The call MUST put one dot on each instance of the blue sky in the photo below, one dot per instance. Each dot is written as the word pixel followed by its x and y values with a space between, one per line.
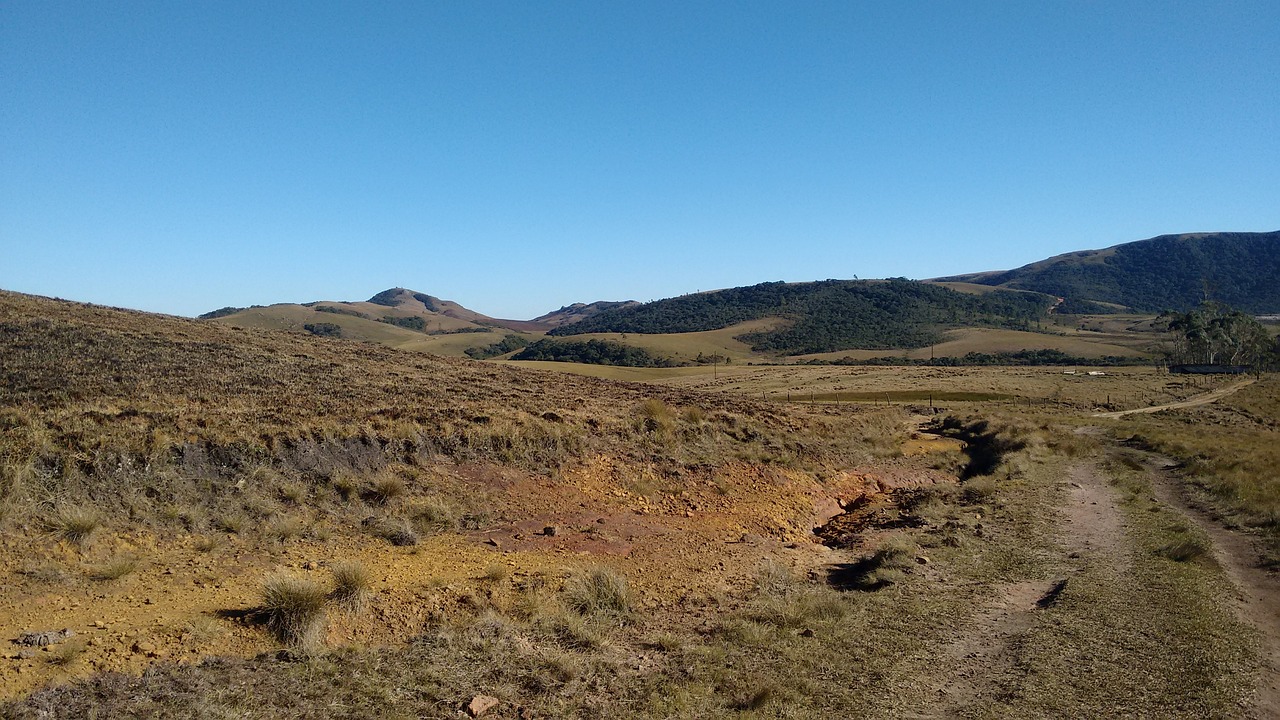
pixel 520 156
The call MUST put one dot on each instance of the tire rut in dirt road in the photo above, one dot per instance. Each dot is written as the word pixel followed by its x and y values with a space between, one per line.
pixel 983 664
pixel 1257 590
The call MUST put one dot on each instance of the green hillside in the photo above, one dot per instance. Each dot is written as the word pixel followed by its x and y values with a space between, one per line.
pixel 1170 272
pixel 825 316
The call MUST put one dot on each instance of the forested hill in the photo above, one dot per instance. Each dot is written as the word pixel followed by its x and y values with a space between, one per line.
pixel 825 316
pixel 1170 272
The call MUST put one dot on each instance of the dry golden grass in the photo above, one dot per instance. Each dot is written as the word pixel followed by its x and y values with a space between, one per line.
pixel 173 426
pixel 294 609
pixel 116 409
pixel 352 585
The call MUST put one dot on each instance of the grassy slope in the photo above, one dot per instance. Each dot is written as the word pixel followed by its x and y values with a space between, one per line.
pixel 295 317
pixel 1153 638
pixel 686 346
pixel 742 624
pixel 986 340
pixel 1164 272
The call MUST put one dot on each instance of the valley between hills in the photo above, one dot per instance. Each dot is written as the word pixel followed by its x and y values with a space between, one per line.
pixel 242 517
pixel 1089 307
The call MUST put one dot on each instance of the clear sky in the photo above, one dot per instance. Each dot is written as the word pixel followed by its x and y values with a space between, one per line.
pixel 520 156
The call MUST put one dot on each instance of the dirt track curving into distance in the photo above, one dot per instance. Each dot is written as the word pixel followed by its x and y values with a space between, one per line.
pixel 1205 399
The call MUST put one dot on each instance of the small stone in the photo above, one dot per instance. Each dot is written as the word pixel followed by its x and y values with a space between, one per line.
pixel 481 704
pixel 922 559
pixel 492 541
pixel 144 648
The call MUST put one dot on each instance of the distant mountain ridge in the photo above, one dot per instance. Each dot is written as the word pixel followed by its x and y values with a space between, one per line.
pixel 1169 272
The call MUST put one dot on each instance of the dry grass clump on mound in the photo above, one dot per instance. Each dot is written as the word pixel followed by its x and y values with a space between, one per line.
pixel 351 585
pixel 294 610
pixel 73 523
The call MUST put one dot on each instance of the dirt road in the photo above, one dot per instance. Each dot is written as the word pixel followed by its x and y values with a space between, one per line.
pixel 1205 399
pixel 985 663
pixel 1237 554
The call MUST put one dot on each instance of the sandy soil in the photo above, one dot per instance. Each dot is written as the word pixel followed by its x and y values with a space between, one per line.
pixel 181 604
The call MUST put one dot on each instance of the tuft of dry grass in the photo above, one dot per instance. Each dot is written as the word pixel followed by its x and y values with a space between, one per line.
pixel 497 573
pixel 294 493
pixel 66 653
pixel 74 523
pixel 352 585
pixel 981 490
pixel 888 565
pixel 208 543
pixel 231 523
pixel 346 486
pixel 656 418
pixel 1186 549
pixel 294 610
pixel 774 578
pixel 115 568
pixel 432 514
pixel 284 527
pixel 598 591
pixel 396 531
pixel 386 487
pixel 695 415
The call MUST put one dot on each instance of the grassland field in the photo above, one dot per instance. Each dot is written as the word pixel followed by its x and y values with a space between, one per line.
pixel 596 542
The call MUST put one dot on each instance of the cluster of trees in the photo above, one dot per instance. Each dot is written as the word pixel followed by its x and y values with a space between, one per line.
pixel 502 347
pixel 386 297
pixel 391 298
pixel 412 323
pixel 1215 334
pixel 323 329
pixel 220 312
pixel 826 316
pixel 595 352
pixel 332 309
pixel 1076 306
